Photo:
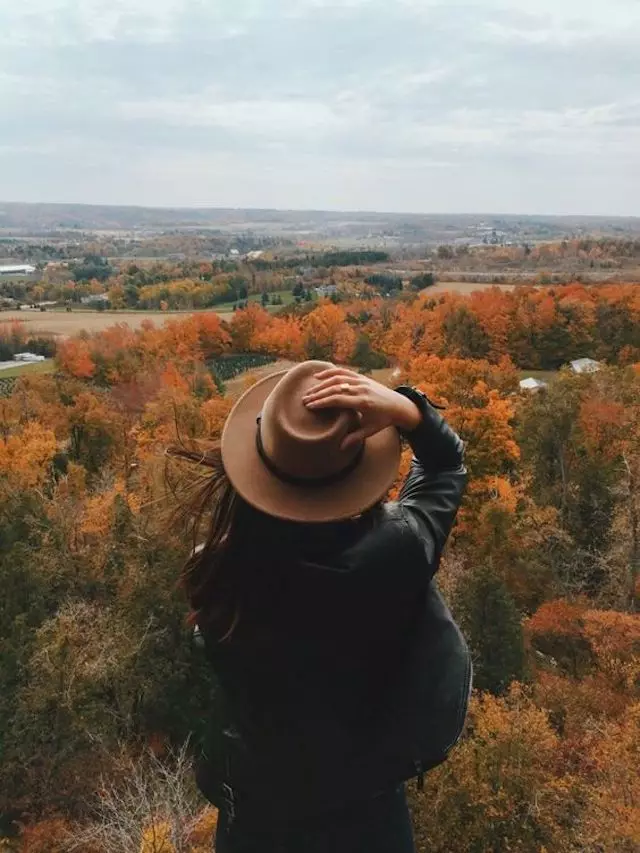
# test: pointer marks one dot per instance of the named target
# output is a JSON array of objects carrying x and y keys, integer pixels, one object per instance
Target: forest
[{"x": 105, "y": 695}]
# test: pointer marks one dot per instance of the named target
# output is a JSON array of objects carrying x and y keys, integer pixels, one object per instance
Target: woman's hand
[{"x": 377, "y": 405}]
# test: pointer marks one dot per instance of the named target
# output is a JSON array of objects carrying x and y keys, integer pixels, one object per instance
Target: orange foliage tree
[
  {"x": 25, "y": 457},
  {"x": 327, "y": 336}
]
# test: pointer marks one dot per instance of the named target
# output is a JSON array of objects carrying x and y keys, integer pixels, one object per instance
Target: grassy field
[
  {"x": 286, "y": 295},
  {"x": 543, "y": 375},
  {"x": 67, "y": 323},
  {"x": 21, "y": 369}
]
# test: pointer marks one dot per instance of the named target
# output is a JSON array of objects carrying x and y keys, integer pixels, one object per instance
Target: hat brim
[{"x": 361, "y": 489}]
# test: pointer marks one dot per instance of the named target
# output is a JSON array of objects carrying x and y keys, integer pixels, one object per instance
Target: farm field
[
  {"x": 66, "y": 324},
  {"x": 468, "y": 286}
]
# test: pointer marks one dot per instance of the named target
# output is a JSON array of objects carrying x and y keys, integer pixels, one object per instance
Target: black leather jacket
[{"x": 347, "y": 672}]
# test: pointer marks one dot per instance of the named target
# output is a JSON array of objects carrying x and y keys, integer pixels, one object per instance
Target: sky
[{"x": 486, "y": 106}]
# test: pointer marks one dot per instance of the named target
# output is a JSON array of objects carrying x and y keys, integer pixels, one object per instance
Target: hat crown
[
  {"x": 301, "y": 443},
  {"x": 290, "y": 465}
]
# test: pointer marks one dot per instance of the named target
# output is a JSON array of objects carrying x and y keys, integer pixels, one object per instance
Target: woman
[{"x": 341, "y": 669}]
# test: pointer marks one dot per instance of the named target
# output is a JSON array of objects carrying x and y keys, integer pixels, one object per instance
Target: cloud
[{"x": 322, "y": 103}]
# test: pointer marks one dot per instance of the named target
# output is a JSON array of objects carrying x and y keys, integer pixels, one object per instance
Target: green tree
[
  {"x": 365, "y": 358},
  {"x": 131, "y": 296},
  {"x": 493, "y": 629},
  {"x": 384, "y": 282},
  {"x": 92, "y": 267},
  {"x": 419, "y": 282}
]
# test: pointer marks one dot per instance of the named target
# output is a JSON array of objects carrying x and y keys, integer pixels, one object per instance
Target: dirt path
[{"x": 234, "y": 387}]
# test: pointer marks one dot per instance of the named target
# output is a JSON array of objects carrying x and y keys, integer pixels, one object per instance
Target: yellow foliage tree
[
  {"x": 612, "y": 812},
  {"x": 500, "y": 790},
  {"x": 25, "y": 457},
  {"x": 156, "y": 838}
]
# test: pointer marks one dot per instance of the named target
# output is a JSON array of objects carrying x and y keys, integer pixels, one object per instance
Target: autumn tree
[
  {"x": 579, "y": 445},
  {"x": 74, "y": 357},
  {"x": 152, "y": 808},
  {"x": 327, "y": 335},
  {"x": 26, "y": 456},
  {"x": 501, "y": 790},
  {"x": 248, "y": 323},
  {"x": 283, "y": 337}
]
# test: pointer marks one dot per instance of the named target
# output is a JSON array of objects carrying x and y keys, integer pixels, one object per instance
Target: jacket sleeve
[{"x": 432, "y": 492}]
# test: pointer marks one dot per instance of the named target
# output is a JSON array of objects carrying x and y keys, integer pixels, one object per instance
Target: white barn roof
[
  {"x": 28, "y": 356},
  {"x": 532, "y": 384},
  {"x": 17, "y": 269},
  {"x": 585, "y": 365}
]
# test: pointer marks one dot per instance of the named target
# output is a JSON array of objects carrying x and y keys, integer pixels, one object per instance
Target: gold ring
[{"x": 345, "y": 388}]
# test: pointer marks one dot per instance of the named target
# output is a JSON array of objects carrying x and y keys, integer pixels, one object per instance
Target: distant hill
[{"x": 18, "y": 219}]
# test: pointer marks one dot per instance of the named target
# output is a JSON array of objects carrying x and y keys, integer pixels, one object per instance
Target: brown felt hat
[{"x": 285, "y": 459}]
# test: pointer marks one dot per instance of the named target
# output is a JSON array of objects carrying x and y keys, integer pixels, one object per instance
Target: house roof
[
  {"x": 17, "y": 268},
  {"x": 532, "y": 384},
  {"x": 585, "y": 365},
  {"x": 28, "y": 356}
]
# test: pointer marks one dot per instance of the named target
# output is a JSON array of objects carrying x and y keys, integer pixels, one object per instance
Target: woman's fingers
[
  {"x": 334, "y": 400},
  {"x": 337, "y": 371},
  {"x": 337, "y": 383}
]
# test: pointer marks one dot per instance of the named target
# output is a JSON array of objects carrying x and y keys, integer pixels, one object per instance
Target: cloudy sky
[{"x": 513, "y": 106}]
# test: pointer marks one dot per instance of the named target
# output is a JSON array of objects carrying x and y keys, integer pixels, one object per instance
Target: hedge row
[
  {"x": 7, "y": 385},
  {"x": 229, "y": 366}
]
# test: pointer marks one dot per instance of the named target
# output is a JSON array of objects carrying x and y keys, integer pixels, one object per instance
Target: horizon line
[{"x": 344, "y": 211}]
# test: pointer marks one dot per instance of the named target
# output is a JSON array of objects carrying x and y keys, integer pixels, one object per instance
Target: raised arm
[
  {"x": 432, "y": 493},
  {"x": 433, "y": 490}
]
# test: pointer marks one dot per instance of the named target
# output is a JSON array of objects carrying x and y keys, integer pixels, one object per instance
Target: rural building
[
  {"x": 585, "y": 365},
  {"x": 38, "y": 306},
  {"x": 307, "y": 272},
  {"x": 326, "y": 289},
  {"x": 17, "y": 269},
  {"x": 28, "y": 356},
  {"x": 100, "y": 297},
  {"x": 532, "y": 384}
]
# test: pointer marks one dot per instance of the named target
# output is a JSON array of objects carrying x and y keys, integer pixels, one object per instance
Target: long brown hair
[
  {"x": 230, "y": 540},
  {"x": 206, "y": 507}
]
